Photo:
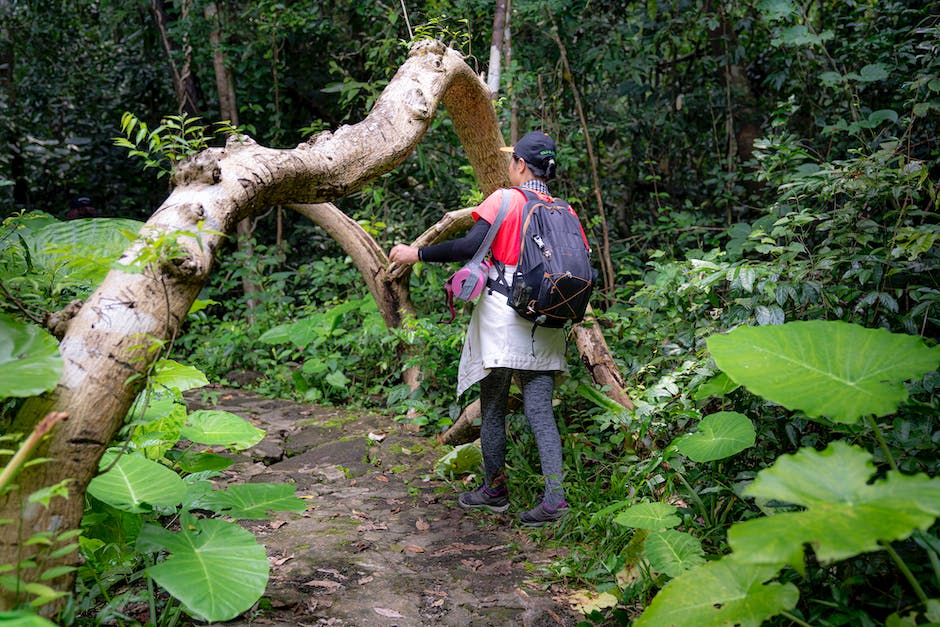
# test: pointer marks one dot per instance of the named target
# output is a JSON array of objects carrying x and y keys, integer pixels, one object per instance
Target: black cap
[{"x": 538, "y": 150}]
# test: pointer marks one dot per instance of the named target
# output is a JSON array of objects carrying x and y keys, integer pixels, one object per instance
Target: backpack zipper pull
[{"x": 541, "y": 244}]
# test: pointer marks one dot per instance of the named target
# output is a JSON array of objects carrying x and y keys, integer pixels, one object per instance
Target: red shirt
[{"x": 505, "y": 247}]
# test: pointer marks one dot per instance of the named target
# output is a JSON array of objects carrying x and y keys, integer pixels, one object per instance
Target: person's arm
[{"x": 459, "y": 249}]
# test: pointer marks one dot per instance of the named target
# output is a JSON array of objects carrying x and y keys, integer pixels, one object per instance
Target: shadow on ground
[{"x": 382, "y": 541}]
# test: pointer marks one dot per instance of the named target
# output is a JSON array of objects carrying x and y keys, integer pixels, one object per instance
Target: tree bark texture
[{"x": 496, "y": 48}]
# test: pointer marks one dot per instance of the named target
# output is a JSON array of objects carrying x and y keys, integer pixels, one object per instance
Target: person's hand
[{"x": 403, "y": 254}]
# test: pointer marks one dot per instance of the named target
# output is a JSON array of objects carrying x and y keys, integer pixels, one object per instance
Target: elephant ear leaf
[
  {"x": 30, "y": 362},
  {"x": 825, "y": 368},
  {"x": 718, "y": 436},
  {"x": 843, "y": 514},
  {"x": 215, "y": 568},
  {"x": 723, "y": 592}
]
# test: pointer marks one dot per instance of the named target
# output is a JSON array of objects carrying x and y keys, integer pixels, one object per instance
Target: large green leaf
[
  {"x": 673, "y": 552},
  {"x": 135, "y": 484},
  {"x": 844, "y": 514},
  {"x": 461, "y": 459},
  {"x": 22, "y": 618},
  {"x": 174, "y": 375},
  {"x": 825, "y": 368},
  {"x": 722, "y": 593},
  {"x": 215, "y": 427},
  {"x": 215, "y": 568},
  {"x": 652, "y": 516},
  {"x": 252, "y": 500},
  {"x": 30, "y": 362},
  {"x": 81, "y": 251},
  {"x": 160, "y": 427},
  {"x": 718, "y": 435}
]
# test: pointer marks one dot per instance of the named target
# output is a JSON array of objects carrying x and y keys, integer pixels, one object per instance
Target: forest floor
[{"x": 382, "y": 541}]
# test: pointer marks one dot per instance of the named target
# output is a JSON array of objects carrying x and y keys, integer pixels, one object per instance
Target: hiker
[
  {"x": 81, "y": 208},
  {"x": 500, "y": 342}
]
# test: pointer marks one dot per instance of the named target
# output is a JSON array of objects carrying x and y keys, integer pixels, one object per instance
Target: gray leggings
[{"x": 537, "y": 390}]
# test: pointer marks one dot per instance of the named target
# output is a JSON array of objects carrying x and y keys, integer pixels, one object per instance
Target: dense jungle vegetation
[{"x": 759, "y": 175}]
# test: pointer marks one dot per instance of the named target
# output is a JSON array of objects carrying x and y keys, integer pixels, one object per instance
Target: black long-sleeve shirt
[{"x": 459, "y": 249}]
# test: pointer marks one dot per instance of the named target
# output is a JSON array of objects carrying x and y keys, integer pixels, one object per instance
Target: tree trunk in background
[
  {"x": 184, "y": 81},
  {"x": 607, "y": 266},
  {"x": 496, "y": 48},
  {"x": 7, "y": 64},
  {"x": 513, "y": 100},
  {"x": 228, "y": 110}
]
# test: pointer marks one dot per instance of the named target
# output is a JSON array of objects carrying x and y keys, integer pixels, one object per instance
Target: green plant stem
[
  {"x": 921, "y": 595},
  {"x": 26, "y": 449},
  {"x": 153, "y": 599},
  {"x": 694, "y": 496},
  {"x": 881, "y": 442},
  {"x": 796, "y": 620}
]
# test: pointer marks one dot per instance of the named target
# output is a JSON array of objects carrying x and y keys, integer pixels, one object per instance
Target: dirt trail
[{"x": 382, "y": 541}]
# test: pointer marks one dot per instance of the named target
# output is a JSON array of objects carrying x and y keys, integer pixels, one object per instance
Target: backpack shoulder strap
[{"x": 493, "y": 230}]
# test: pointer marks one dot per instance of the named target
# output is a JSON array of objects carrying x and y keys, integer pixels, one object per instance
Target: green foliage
[
  {"x": 843, "y": 515},
  {"x": 29, "y": 359},
  {"x": 804, "y": 365},
  {"x": 44, "y": 262},
  {"x": 215, "y": 568},
  {"x": 717, "y": 436},
  {"x": 719, "y": 593},
  {"x": 145, "y": 480},
  {"x": 177, "y": 138},
  {"x": 459, "y": 460}
]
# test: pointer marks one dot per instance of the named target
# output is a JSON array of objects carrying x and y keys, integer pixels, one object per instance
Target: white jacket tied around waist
[{"x": 498, "y": 337}]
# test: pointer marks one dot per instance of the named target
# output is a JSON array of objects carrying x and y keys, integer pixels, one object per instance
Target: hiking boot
[
  {"x": 494, "y": 500},
  {"x": 540, "y": 514}
]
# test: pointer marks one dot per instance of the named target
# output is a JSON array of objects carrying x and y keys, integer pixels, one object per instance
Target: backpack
[{"x": 554, "y": 279}]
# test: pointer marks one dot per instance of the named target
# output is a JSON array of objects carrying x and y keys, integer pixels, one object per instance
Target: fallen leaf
[
  {"x": 381, "y": 478},
  {"x": 363, "y": 581},
  {"x": 381, "y": 611},
  {"x": 414, "y": 548},
  {"x": 332, "y": 571},
  {"x": 331, "y": 586},
  {"x": 502, "y": 567},
  {"x": 588, "y": 601},
  {"x": 278, "y": 561},
  {"x": 472, "y": 564},
  {"x": 436, "y": 593},
  {"x": 422, "y": 524},
  {"x": 377, "y": 437},
  {"x": 628, "y": 575},
  {"x": 372, "y": 527},
  {"x": 277, "y": 524}
]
